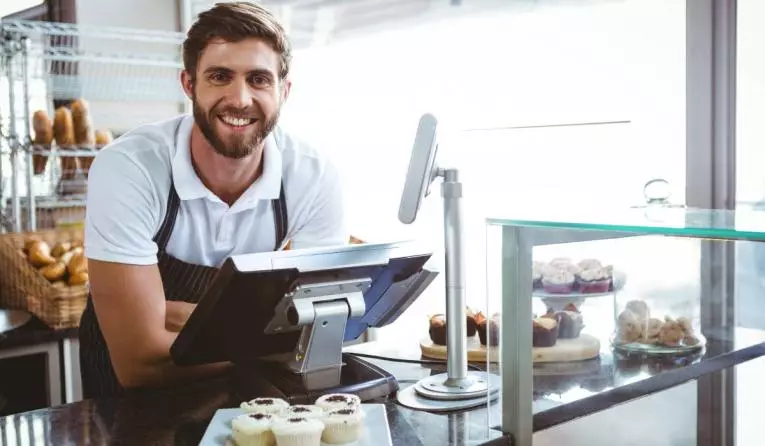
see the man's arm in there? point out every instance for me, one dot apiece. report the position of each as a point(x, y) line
point(132, 313)
point(139, 326)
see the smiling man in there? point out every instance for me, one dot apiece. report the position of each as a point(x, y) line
point(169, 202)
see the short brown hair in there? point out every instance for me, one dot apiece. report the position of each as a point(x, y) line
point(233, 22)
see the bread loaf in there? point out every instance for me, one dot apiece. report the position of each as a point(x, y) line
point(63, 131)
point(103, 137)
point(84, 133)
point(43, 128)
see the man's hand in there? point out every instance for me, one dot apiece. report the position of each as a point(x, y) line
point(177, 313)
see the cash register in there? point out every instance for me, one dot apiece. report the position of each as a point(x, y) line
point(282, 318)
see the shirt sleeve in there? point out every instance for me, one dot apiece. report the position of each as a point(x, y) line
point(325, 225)
point(122, 211)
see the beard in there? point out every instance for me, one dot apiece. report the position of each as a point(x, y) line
point(237, 146)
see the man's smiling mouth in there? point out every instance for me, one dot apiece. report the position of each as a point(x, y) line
point(236, 122)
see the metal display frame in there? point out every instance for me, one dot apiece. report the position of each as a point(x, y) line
point(61, 62)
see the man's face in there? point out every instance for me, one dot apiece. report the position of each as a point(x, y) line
point(237, 94)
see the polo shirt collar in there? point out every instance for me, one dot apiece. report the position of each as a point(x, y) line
point(190, 187)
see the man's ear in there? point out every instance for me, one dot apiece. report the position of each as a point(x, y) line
point(286, 87)
point(187, 83)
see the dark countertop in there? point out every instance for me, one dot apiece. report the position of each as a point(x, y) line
point(32, 333)
point(179, 416)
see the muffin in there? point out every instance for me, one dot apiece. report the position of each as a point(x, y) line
point(298, 431)
point(265, 405)
point(558, 282)
point(253, 429)
point(343, 426)
point(472, 325)
point(488, 331)
point(570, 323)
point(544, 332)
point(303, 411)
point(437, 329)
point(594, 280)
point(333, 401)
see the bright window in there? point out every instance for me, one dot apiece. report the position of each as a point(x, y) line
point(360, 99)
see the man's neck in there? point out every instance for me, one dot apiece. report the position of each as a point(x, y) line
point(225, 177)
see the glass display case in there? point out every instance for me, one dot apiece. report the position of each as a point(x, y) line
point(586, 310)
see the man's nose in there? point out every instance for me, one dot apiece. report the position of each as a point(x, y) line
point(240, 94)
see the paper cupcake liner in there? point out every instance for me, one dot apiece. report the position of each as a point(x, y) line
point(265, 438)
point(341, 433)
point(300, 439)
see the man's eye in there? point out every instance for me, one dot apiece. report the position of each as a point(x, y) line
point(218, 77)
point(259, 81)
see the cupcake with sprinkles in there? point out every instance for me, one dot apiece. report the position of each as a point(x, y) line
point(265, 405)
point(343, 426)
point(298, 431)
point(334, 401)
point(253, 429)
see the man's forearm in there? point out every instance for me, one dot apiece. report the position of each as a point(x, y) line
point(161, 371)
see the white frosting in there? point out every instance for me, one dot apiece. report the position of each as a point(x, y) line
point(559, 277)
point(303, 411)
point(265, 405)
point(595, 274)
point(590, 264)
point(252, 423)
point(285, 427)
point(338, 401)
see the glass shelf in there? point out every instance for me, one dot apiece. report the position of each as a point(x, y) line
point(686, 222)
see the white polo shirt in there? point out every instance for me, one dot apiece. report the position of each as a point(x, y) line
point(129, 184)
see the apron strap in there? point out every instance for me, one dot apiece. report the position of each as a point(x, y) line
point(166, 230)
point(280, 218)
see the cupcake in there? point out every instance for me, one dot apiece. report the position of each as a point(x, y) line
point(586, 264)
point(545, 332)
point(343, 426)
point(333, 401)
point(488, 331)
point(298, 431)
point(303, 411)
point(253, 429)
point(265, 405)
point(558, 282)
point(594, 280)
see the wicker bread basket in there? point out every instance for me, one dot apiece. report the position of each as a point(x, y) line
point(23, 287)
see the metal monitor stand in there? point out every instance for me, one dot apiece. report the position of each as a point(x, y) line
point(458, 388)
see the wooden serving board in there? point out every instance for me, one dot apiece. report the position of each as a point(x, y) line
point(565, 350)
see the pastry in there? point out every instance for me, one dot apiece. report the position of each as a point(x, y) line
point(298, 431)
point(558, 282)
point(63, 132)
point(78, 264)
point(78, 279)
point(594, 280)
point(437, 330)
point(253, 429)
point(488, 331)
point(304, 411)
point(103, 137)
point(343, 426)
point(332, 401)
point(38, 254)
point(265, 405)
point(54, 271)
point(60, 249)
point(545, 332)
point(43, 128)
point(437, 327)
point(84, 134)
point(570, 322)
point(639, 308)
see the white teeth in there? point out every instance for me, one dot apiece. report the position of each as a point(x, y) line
point(235, 121)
